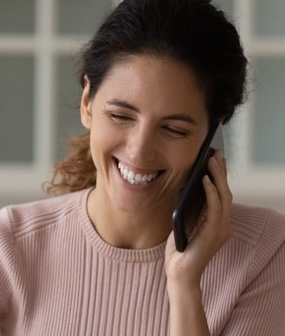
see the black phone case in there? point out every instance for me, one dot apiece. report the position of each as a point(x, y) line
point(192, 199)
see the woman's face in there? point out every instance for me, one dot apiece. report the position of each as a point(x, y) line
point(147, 123)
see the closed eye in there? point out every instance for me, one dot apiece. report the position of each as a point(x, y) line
point(175, 132)
point(119, 117)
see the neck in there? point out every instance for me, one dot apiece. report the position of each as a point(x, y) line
point(142, 230)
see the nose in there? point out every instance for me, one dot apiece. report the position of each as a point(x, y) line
point(141, 146)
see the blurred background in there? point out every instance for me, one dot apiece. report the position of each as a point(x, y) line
point(40, 94)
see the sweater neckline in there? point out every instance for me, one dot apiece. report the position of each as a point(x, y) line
point(109, 251)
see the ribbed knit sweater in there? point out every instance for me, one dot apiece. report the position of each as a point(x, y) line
point(59, 278)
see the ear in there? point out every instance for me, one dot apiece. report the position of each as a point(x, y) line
point(85, 105)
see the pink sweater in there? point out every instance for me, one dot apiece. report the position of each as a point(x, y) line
point(59, 278)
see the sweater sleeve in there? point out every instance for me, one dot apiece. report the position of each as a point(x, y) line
point(7, 248)
point(261, 307)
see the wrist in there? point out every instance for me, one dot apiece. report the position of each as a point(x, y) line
point(184, 283)
point(187, 311)
point(180, 294)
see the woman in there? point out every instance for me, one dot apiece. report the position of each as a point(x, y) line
point(101, 259)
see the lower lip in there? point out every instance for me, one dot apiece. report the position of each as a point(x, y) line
point(134, 187)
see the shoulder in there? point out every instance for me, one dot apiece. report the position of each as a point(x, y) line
point(260, 231)
point(255, 253)
point(253, 224)
point(26, 218)
point(244, 283)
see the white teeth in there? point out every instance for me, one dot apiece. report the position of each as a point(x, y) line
point(138, 177)
point(133, 178)
point(144, 178)
point(131, 175)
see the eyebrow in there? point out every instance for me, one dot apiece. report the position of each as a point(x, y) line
point(122, 103)
point(125, 104)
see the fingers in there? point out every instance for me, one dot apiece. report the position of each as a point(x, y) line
point(218, 197)
point(214, 206)
point(218, 170)
point(225, 165)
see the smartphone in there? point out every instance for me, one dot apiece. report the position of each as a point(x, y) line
point(192, 198)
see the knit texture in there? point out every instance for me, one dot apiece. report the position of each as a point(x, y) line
point(58, 277)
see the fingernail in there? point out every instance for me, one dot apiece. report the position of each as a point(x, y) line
point(207, 179)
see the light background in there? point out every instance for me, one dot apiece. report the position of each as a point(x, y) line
point(39, 95)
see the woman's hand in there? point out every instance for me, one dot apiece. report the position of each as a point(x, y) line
point(211, 233)
point(184, 270)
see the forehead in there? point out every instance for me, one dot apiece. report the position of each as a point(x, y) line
point(156, 83)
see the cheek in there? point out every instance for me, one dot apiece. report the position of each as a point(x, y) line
point(98, 145)
point(184, 161)
point(103, 141)
point(184, 158)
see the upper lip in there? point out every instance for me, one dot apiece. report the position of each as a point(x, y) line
point(138, 170)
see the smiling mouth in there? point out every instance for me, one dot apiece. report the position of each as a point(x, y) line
point(137, 178)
